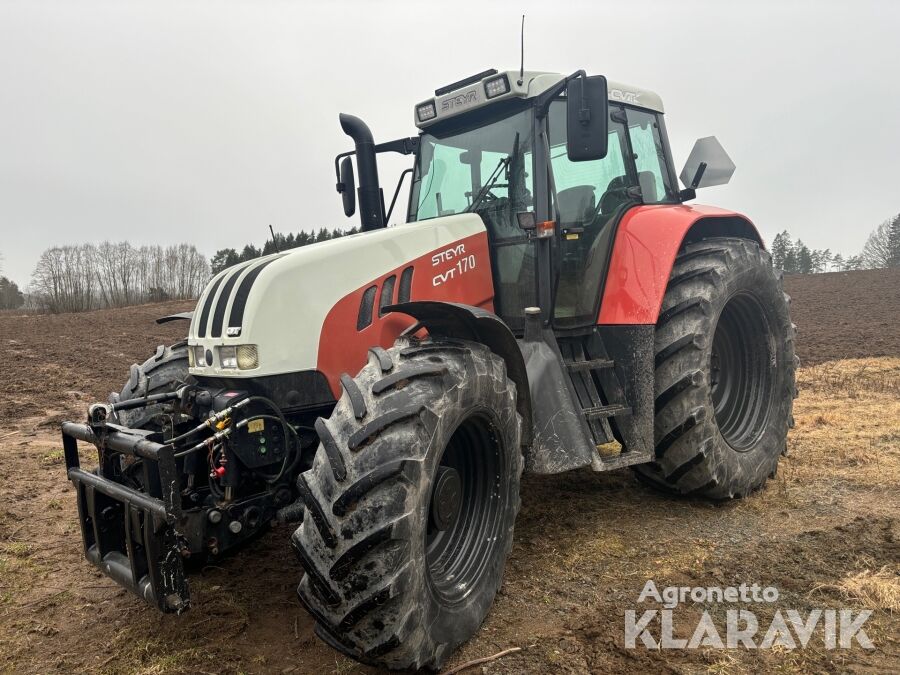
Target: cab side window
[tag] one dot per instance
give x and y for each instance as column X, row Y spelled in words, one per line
column 650, row 157
column 587, row 191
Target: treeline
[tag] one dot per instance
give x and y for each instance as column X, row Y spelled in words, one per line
column 85, row 277
column 882, row 249
column 10, row 295
column 227, row 257
column 795, row 257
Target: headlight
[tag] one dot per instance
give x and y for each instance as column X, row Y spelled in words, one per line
column 191, row 359
column 228, row 357
column 244, row 357
column 200, row 356
column 247, row 357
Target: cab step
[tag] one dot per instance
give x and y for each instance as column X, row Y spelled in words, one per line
column 606, row 411
column 592, row 364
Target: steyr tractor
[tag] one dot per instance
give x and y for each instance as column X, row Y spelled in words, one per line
column 551, row 303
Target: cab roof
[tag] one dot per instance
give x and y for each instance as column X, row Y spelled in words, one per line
column 471, row 93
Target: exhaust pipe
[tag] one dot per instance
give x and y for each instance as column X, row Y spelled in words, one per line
column 371, row 203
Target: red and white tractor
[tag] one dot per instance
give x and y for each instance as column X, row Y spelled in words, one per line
column 552, row 302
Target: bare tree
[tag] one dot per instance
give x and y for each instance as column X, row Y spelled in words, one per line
column 78, row 278
column 878, row 251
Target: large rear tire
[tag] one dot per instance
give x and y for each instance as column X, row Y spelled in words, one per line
column 410, row 503
column 725, row 370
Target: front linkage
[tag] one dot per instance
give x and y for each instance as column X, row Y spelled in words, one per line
column 137, row 538
column 143, row 511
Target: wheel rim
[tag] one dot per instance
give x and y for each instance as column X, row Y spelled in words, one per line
column 465, row 510
column 741, row 372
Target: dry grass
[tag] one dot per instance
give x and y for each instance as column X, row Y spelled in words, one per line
column 848, row 423
column 852, row 377
column 873, row 590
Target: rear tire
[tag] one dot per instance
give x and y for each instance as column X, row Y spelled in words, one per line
column 410, row 503
column 725, row 372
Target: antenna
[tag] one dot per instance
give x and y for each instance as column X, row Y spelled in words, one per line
column 274, row 239
column 522, row 62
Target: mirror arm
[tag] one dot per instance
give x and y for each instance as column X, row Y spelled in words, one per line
column 543, row 101
column 396, row 193
column 701, row 169
column 691, row 192
column 337, row 168
column 404, row 146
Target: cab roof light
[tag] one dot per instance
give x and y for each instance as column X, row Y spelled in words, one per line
column 496, row 86
column 426, row 111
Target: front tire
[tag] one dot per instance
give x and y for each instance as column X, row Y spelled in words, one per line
column 410, row 503
column 725, row 369
column 162, row 373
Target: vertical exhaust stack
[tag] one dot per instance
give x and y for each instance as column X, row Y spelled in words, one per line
column 371, row 207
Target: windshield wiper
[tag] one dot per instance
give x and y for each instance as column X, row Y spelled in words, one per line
column 482, row 193
column 495, row 174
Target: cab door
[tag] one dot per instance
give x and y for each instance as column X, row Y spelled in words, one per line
column 592, row 197
column 588, row 195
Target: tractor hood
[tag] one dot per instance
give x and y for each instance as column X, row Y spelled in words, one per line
column 275, row 309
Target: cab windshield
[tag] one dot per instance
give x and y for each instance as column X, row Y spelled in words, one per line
column 487, row 170
column 472, row 168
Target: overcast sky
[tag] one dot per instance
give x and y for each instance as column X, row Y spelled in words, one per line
column 161, row 122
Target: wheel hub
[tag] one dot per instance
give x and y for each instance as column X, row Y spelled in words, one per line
column 446, row 498
column 465, row 511
column 741, row 371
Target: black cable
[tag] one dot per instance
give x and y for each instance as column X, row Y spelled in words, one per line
column 285, row 469
column 285, row 426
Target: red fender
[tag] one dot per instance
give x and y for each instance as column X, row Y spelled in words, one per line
column 647, row 241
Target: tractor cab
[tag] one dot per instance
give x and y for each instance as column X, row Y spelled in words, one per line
column 507, row 155
column 550, row 163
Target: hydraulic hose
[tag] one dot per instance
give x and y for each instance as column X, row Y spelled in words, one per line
column 210, row 421
column 290, row 461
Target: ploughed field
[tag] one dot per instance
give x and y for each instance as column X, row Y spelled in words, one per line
column 825, row 532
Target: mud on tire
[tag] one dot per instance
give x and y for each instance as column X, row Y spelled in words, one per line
column 163, row 372
column 410, row 503
column 725, row 372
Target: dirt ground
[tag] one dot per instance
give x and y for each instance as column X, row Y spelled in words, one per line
column 825, row 532
column 847, row 315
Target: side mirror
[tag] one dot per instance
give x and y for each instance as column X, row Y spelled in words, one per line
column 707, row 165
column 348, row 187
column 587, row 119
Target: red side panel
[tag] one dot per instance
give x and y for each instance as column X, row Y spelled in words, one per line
column 458, row 272
column 644, row 251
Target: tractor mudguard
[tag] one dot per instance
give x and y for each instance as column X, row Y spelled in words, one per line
column 464, row 322
column 180, row 316
column 647, row 240
column 562, row 439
